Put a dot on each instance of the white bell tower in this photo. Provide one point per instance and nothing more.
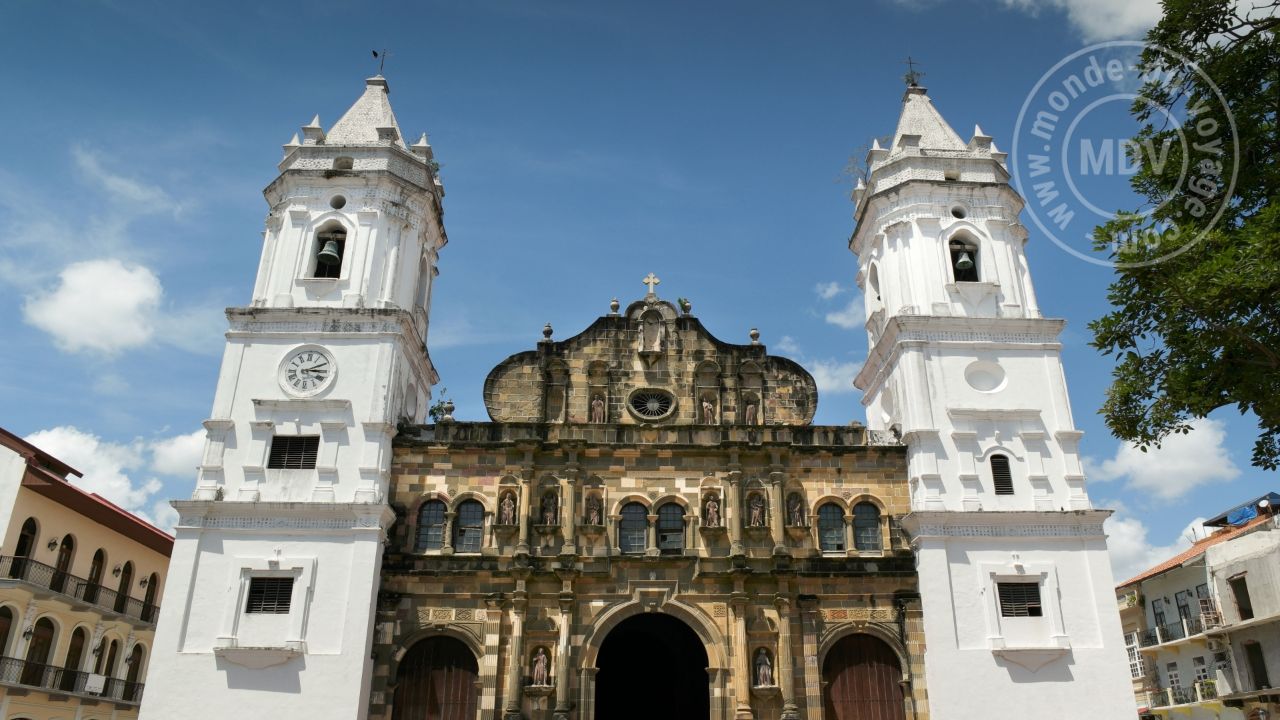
(274, 575)
(1015, 580)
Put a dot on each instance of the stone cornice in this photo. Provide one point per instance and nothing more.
(282, 516)
(902, 330)
(921, 524)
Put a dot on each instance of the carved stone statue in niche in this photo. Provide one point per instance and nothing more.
(597, 409)
(749, 412)
(708, 412)
(654, 332)
(593, 510)
(756, 517)
(711, 512)
(764, 669)
(795, 509)
(507, 510)
(541, 670)
(549, 514)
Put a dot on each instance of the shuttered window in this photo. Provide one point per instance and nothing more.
(1019, 599)
(1000, 475)
(269, 595)
(293, 452)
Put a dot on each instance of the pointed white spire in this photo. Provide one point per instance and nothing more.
(370, 120)
(875, 144)
(312, 133)
(977, 131)
(292, 145)
(920, 119)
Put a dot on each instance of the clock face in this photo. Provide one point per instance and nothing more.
(307, 371)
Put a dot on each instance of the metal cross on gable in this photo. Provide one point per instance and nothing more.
(651, 280)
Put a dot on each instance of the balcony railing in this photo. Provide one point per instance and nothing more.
(1179, 629)
(61, 680)
(1200, 691)
(64, 583)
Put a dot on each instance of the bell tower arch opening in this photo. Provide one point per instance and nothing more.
(646, 652)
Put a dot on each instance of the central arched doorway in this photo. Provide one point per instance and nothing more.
(436, 681)
(862, 680)
(652, 666)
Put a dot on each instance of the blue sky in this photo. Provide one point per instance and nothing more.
(583, 145)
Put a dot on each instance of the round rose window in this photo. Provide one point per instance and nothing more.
(651, 404)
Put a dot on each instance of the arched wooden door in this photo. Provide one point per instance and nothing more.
(38, 651)
(862, 680)
(26, 545)
(437, 681)
(122, 595)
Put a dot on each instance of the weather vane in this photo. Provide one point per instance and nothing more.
(381, 57)
(913, 75)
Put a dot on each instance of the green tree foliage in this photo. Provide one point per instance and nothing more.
(1200, 330)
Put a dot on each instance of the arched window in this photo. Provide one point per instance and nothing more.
(149, 601)
(75, 656)
(1001, 476)
(831, 528)
(134, 661)
(62, 566)
(430, 526)
(468, 527)
(38, 652)
(331, 241)
(6, 624)
(873, 281)
(122, 595)
(866, 526)
(671, 529)
(633, 529)
(22, 551)
(106, 664)
(964, 259)
(95, 576)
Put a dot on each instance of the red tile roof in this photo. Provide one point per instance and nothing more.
(46, 475)
(1196, 550)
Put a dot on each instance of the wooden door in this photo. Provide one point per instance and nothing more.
(436, 681)
(862, 681)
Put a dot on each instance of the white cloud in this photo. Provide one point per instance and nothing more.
(117, 471)
(787, 345)
(98, 305)
(1180, 464)
(1098, 20)
(1094, 20)
(149, 198)
(178, 455)
(1131, 551)
(850, 317)
(833, 377)
(828, 290)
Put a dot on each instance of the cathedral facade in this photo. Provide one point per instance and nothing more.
(649, 524)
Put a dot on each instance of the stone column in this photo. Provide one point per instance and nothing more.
(587, 693)
(569, 512)
(515, 657)
(489, 664)
(779, 512)
(522, 548)
(652, 545)
(849, 548)
(741, 663)
(810, 621)
(563, 705)
(731, 512)
(786, 674)
(446, 542)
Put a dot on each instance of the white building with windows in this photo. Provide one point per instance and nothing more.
(1015, 579)
(278, 552)
(1206, 637)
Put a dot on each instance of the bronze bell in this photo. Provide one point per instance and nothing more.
(329, 255)
(964, 262)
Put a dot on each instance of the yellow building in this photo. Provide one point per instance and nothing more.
(79, 583)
